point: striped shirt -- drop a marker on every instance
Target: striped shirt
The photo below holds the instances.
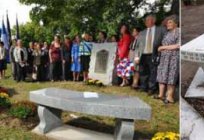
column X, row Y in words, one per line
column 85, row 48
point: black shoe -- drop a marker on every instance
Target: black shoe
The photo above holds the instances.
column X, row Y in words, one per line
column 142, row 90
column 151, row 92
column 166, row 101
column 158, row 98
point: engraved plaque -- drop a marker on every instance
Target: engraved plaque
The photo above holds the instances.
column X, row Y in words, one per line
column 101, row 61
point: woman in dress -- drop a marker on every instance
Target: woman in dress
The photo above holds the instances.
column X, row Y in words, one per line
column 135, row 33
column 45, row 61
column 55, row 56
column 168, row 69
column 76, row 66
column 66, row 54
column 38, row 68
column 125, row 68
column 30, row 50
column 2, row 59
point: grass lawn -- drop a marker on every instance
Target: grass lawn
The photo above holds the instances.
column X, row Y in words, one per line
column 164, row 117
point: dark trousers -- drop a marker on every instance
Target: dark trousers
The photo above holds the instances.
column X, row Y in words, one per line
column 45, row 72
column 148, row 73
column 56, row 70
column 21, row 72
column 66, row 70
column 40, row 73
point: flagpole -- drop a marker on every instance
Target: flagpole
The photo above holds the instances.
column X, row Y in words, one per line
column 17, row 28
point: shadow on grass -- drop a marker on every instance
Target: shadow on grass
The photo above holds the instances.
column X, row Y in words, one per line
column 87, row 123
column 12, row 92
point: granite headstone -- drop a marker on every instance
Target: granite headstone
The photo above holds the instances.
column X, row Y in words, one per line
column 102, row 62
column 194, row 51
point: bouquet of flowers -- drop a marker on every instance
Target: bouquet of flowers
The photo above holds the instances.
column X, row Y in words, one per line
column 94, row 82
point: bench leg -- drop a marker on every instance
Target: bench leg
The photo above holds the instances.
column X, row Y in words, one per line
column 124, row 130
column 50, row 118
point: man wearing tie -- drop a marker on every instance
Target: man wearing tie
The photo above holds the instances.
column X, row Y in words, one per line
column 146, row 55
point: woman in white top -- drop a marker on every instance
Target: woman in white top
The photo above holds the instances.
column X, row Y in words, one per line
column 21, row 56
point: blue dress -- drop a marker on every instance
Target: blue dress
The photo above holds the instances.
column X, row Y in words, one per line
column 75, row 53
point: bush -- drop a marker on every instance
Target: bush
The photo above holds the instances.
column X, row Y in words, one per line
column 4, row 100
column 23, row 109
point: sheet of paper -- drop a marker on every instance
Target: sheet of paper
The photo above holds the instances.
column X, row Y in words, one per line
column 91, row 95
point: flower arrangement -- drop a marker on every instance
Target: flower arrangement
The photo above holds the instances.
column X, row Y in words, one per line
column 166, row 136
column 23, row 109
column 4, row 100
column 94, row 82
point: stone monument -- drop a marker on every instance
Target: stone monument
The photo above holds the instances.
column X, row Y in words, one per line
column 194, row 51
column 102, row 62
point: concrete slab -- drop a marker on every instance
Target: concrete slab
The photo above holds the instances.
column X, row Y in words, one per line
column 67, row 132
column 192, row 124
column 196, row 89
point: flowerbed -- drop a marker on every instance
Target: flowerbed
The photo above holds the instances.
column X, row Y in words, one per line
column 4, row 101
column 166, row 136
column 23, row 109
column 94, row 82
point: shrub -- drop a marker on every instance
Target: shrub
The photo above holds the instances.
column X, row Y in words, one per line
column 166, row 136
column 23, row 109
column 4, row 100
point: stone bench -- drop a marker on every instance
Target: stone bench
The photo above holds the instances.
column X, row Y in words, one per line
column 51, row 102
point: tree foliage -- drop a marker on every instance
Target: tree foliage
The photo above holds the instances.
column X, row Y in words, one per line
column 78, row 16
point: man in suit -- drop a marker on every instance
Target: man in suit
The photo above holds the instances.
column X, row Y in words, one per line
column 146, row 53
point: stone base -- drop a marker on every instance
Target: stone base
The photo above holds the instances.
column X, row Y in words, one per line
column 67, row 132
column 124, row 130
column 192, row 124
column 196, row 89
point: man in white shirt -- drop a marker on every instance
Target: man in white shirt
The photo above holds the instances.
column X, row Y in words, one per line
column 148, row 42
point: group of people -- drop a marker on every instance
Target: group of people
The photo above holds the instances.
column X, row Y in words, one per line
column 149, row 57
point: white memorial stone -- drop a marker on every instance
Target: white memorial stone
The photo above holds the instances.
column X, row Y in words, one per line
column 194, row 51
column 102, row 62
column 192, row 124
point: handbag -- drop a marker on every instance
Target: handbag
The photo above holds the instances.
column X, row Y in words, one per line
column 156, row 59
column 34, row 74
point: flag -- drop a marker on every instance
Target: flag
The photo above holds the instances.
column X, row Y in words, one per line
column 4, row 36
column 8, row 28
column 17, row 29
column 0, row 33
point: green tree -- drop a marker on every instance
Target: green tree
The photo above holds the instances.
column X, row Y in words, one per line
column 34, row 32
column 78, row 16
